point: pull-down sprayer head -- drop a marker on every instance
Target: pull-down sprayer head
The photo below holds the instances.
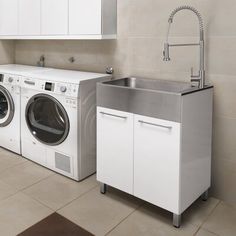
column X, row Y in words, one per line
column 166, row 52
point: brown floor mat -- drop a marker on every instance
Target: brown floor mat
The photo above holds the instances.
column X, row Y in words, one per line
column 55, row 224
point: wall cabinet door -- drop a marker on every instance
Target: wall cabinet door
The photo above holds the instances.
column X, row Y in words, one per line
column 29, row 17
column 8, row 17
column 115, row 148
column 85, row 17
column 156, row 161
column 54, row 17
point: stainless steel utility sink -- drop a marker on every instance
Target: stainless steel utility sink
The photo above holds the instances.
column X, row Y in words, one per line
column 151, row 97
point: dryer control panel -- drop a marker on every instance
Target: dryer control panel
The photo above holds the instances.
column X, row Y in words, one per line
column 70, row 90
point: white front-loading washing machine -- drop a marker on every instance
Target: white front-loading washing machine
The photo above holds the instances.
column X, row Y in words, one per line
column 10, row 112
column 58, row 118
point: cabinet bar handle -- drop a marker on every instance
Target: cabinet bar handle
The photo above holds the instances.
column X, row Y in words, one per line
column 108, row 114
column 161, row 126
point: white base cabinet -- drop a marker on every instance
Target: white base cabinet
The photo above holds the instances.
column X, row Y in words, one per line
column 163, row 162
column 139, row 155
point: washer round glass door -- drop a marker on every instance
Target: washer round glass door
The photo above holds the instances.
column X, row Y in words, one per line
column 6, row 107
column 47, row 119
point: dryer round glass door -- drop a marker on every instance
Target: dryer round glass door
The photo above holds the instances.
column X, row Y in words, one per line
column 6, row 107
column 47, row 119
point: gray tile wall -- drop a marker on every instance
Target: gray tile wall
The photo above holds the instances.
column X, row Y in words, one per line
column 7, row 51
column 142, row 26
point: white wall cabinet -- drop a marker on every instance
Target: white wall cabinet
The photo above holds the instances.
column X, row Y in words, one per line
column 58, row 19
column 91, row 10
column 54, row 17
column 29, row 17
column 115, row 148
column 8, row 18
column 93, row 17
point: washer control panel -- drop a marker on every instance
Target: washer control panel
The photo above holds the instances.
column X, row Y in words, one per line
column 9, row 79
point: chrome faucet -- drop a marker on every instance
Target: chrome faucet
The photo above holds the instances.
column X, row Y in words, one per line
column 200, row 77
column 41, row 62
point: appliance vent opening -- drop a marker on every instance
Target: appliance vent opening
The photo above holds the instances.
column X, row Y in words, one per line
column 62, row 162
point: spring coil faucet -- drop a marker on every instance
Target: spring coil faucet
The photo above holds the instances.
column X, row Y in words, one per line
column 200, row 78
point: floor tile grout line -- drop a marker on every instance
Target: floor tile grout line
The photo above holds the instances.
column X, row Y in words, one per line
column 37, row 182
column 210, row 213
column 207, row 217
column 24, row 188
column 61, row 206
column 76, row 198
column 21, row 191
column 38, row 201
column 199, row 227
column 18, row 164
column 211, row 232
column 11, row 195
column 138, row 207
column 13, row 166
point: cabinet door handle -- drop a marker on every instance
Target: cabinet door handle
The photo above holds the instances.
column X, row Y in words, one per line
column 108, row 114
column 161, row 126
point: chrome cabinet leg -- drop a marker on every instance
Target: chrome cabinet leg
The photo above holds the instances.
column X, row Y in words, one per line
column 176, row 220
column 103, row 188
column 204, row 196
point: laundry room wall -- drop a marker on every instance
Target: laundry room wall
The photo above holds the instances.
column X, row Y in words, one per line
column 7, row 51
column 142, row 27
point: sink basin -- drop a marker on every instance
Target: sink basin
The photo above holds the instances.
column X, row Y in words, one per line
column 151, row 84
column 149, row 97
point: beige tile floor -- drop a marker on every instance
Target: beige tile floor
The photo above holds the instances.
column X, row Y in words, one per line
column 29, row 193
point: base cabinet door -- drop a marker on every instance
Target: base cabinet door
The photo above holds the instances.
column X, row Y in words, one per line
column 156, row 161
column 115, row 148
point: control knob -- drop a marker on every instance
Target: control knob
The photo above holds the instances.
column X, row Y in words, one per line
column 63, row 89
column 10, row 79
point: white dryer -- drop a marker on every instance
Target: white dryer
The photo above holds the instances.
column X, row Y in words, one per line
column 58, row 121
column 10, row 112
